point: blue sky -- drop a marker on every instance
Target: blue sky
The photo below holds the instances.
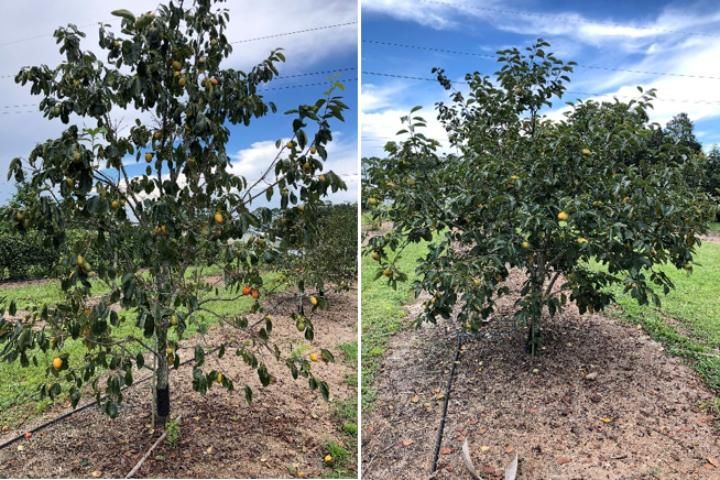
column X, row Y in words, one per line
column 26, row 40
column 606, row 38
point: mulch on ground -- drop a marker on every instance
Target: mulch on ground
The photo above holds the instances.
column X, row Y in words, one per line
column 601, row 401
column 280, row 435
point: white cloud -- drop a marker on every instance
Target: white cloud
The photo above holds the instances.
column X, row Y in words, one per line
column 429, row 14
column 380, row 117
column 674, row 41
column 252, row 162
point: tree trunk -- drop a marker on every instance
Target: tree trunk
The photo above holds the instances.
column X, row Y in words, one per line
column 162, row 385
column 537, row 281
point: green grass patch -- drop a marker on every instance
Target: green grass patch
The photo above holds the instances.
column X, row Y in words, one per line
column 714, row 226
column 382, row 312
column 688, row 321
column 340, row 456
column 26, row 295
column 346, row 413
column 349, row 351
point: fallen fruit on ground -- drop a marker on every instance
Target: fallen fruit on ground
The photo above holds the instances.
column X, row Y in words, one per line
column 313, row 300
column 314, row 357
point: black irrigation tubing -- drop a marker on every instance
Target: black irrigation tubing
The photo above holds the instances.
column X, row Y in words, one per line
column 441, row 429
column 53, row 421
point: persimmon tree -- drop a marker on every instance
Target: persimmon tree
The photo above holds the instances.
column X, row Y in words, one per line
column 578, row 203
column 161, row 226
column 318, row 248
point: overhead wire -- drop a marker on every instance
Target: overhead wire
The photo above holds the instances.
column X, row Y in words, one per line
column 593, row 94
column 580, row 65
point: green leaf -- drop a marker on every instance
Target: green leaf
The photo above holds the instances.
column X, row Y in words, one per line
column 124, row 14
column 199, row 356
column 264, row 375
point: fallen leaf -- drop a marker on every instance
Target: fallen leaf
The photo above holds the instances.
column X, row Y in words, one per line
column 509, row 449
column 406, row 442
column 446, row 451
column 415, row 399
column 606, row 419
column 20, row 448
column 563, row 460
column 591, row 376
column 713, row 461
column 96, row 473
column 210, row 450
column 488, row 470
column 484, row 448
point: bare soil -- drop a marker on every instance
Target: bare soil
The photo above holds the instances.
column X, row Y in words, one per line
column 280, row 435
column 639, row 415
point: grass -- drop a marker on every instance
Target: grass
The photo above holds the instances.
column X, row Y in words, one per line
column 346, row 411
column 688, row 320
column 340, row 456
column 18, row 399
column 714, row 226
column 382, row 313
column 349, row 351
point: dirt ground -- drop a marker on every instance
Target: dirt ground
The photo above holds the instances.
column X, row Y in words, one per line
column 283, row 431
column 601, row 401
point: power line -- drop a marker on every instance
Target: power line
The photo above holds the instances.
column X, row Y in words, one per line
column 312, row 84
column 581, row 65
column 245, row 40
column 319, row 72
column 5, row 109
column 279, row 77
column 562, row 18
column 592, row 94
column 35, row 37
column 285, row 34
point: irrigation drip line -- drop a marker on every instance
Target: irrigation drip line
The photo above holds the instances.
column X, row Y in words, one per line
column 441, row 428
